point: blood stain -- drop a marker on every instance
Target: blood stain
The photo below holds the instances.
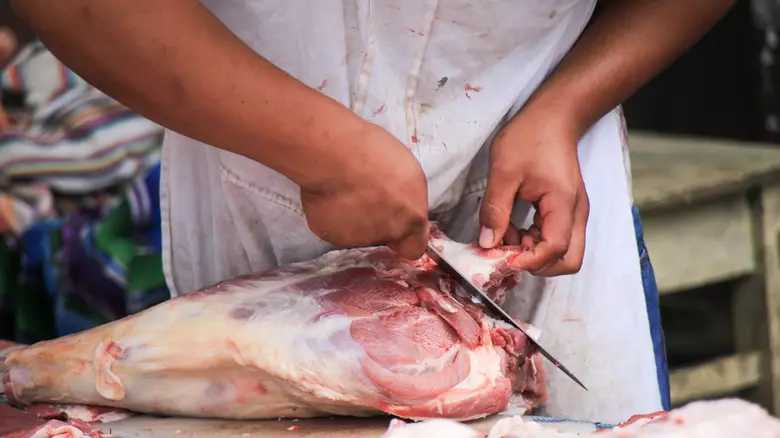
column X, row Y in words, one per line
column 470, row 87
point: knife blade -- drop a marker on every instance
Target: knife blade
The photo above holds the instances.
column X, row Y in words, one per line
column 476, row 292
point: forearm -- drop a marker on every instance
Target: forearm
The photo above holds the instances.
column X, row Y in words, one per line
column 173, row 62
column 627, row 43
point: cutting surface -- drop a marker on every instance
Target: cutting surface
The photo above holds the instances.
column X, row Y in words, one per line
column 150, row 427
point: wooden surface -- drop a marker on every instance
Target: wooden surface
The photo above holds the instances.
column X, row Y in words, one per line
column 711, row 212
column 716, row 378
column 149, row 427
column 770, row 318
column 692, row 247
column 669, row 171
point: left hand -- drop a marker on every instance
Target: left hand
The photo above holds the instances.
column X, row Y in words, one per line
column 534, row 158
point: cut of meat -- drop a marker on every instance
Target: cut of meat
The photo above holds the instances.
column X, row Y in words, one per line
column 12, row 420
column 705, row 419
column 44, row 419
column 15, row 423
column 354, row 332
column 6, row 347
column 58, row 429
column 430, row 429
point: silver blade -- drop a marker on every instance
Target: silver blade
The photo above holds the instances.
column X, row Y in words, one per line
column 474, row 291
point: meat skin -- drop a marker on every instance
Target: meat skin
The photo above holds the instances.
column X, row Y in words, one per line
column 355, row 332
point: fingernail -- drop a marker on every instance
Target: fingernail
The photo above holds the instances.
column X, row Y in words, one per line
column 486, row 237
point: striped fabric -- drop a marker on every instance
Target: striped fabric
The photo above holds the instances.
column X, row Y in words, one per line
column 79, row 205
column 71, row 138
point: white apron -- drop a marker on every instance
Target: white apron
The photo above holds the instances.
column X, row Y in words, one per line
column 442, row 76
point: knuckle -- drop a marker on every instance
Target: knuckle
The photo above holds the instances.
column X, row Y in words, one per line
column 572, row 267
column 536, row 266
column 492, row 213
column 318, row 230
column 558, row 248
column 413, row 225
column 586, row 205
column 568, row 195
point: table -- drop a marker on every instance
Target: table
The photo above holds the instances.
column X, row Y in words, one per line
column 149, row 427
column 711, row 212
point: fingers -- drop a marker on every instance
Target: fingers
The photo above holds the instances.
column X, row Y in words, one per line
column 7, row 44
column 495, row 211
column 552, row 246
column 512, row 236
column 555, row 219
column 413, row 245
column 572, row 260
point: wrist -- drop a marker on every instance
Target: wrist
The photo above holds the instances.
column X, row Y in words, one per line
column 550, row 118
column 336, row 142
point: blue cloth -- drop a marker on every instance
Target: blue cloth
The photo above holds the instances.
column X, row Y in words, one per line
column 653, row 313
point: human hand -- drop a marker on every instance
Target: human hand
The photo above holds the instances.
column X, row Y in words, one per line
column 534, row 158
column 7, row 44
column 5, row 121
column 382, row 198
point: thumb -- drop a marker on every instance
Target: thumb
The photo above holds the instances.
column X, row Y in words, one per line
column 495, row 210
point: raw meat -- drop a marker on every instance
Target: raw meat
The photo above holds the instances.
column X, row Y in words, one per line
column 58, row 429
column 12, row 420
column 430, row 429
column 45, row 420
column 704, row 419
column 7, row 347
column 708, row 419
column 15, row 423
column 354, row 332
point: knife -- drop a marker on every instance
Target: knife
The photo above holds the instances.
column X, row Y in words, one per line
column 477, row 293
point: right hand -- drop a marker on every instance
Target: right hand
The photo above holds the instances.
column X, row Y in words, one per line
column 379, row 198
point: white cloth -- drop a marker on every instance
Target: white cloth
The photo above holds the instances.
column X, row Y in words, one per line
column 442, row 76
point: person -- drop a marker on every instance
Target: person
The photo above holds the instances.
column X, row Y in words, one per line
column 300, row 126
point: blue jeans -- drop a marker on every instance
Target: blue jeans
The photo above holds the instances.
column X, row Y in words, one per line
column 653, row 312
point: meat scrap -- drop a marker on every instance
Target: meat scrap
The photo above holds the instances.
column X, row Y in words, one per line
column 354, row 332
column 13, row 420
column 39, row 418
column 430, row 429
column 704, row 419
column 15, row 423
column 58, row 429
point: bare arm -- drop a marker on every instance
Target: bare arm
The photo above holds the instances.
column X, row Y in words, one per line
column 626, row 44
column 173, row 62
column 534, row 157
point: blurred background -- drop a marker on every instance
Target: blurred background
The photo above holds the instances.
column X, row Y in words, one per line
column 79, row 213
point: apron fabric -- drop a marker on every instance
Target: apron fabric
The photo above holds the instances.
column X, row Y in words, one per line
column 443, row 77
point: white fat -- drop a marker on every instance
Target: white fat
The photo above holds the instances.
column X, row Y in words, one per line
column 447, row 307
column 431, row 429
